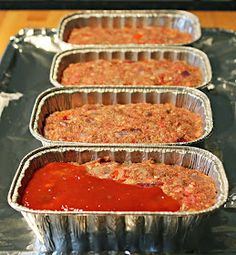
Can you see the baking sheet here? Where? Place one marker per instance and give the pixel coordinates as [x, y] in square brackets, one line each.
[25, 69]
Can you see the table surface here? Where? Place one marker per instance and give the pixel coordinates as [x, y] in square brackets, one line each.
[12, 21]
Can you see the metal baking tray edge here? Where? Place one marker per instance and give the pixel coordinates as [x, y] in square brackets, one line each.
[190, 55]
[38, 116]
[167, 17]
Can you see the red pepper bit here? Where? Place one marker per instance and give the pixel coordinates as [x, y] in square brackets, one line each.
[65, 117]
[162, 125]
[115, 174]
[137, 36]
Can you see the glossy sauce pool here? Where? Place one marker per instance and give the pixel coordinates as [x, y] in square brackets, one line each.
[67, 187]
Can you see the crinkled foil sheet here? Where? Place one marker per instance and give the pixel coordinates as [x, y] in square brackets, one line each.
[25, 69]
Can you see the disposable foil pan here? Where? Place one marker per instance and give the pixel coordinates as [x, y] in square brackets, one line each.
[190, 55]
[59, 99]
[181, 20]
[96, 231]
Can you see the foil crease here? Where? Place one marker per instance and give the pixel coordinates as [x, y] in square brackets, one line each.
[59, 99]
[98, 231]
[5, 98]
[44, 38]
[181, 20]
[191, 55]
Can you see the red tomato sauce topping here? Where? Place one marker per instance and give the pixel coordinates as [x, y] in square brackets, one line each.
[68, 187]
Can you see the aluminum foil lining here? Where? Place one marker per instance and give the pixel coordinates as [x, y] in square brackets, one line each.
[181, 20]
[59, 99]
[191, 55]
[98, 231]
[218, 233]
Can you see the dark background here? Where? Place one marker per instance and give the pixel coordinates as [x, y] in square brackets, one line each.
[119, 4]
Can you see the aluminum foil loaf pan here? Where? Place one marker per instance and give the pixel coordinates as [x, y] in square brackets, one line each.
[192, 56]
[180, 20]
[83, 231]
[59, 99]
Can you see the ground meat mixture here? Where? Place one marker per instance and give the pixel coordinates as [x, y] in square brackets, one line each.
[105, 185]
[126, 35]
[193, 189]
[129, 123]
[126, 72]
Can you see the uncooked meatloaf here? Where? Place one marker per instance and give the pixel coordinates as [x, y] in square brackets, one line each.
[129, 123]
[125, 72]
[105, 185]
[193, 189]
[126, 35]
